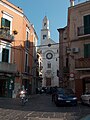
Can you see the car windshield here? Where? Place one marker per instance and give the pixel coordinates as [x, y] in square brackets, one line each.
[65, 91]
[88, 93]
[69, 92]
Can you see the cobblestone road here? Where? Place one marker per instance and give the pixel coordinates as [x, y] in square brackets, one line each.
[40, 107]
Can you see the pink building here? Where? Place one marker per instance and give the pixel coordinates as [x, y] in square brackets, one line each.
[17, 50]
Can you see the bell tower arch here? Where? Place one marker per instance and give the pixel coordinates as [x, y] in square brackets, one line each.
[45, 32]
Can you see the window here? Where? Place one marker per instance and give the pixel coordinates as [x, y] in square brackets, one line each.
[48, 81]
[5, 55]
[49, 65]
[27, 35]
[66, 62]
[26, 60]
[87, 24]
[44, 36]
[27, 40]
[40, 64]
[57, 73]
[87, 50]
[26, 63]
[5, 23]
[44, 24]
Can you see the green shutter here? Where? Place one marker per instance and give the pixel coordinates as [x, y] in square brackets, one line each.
[5, 55]
[87, 50]
[2, 22]
[7, 24]
[87, 24]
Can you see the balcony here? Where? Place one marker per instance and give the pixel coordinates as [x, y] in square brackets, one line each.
[5, 34]
[82, 64]
[7, 67]
[83, 30]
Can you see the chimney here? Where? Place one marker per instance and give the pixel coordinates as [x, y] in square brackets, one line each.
[71, 3]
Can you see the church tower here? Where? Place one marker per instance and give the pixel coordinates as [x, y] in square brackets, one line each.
[49, 55]
[45, 32]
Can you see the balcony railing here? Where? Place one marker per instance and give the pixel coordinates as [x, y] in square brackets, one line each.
[83, 30]
[8, 67]
[5, 34]
[82, 63]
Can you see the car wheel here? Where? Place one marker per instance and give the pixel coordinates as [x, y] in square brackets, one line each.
[56, 101]
[82, 101]
[57, 104]
[76, 104]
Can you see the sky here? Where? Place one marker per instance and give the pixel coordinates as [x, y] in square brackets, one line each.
[55, 10]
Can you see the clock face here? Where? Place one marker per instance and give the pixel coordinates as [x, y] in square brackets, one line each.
[49, 55]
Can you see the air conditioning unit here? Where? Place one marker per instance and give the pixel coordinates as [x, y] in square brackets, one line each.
[68, 50]
[75, 50]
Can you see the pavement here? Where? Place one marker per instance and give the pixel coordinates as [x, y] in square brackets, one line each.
[40, 107]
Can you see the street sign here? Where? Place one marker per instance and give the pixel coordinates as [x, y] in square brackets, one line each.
[71, 78]
[71, 75]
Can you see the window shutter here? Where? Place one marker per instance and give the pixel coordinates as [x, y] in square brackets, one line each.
[7, 24]
[87, 24]
[5, 55]
[2, 22]
[87, 50]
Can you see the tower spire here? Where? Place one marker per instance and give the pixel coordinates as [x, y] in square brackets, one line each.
[71, 3]
[45, 32]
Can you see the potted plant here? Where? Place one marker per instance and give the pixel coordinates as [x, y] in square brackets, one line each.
[15, 32]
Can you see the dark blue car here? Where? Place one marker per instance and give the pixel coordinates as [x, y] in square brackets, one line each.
[62, 96]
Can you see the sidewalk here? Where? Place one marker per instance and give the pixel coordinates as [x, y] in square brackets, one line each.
[31, 118]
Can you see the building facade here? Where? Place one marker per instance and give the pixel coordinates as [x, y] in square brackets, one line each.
[50, 57]
[78, 47]
[63, 58]
[39, 69]
[17, 56]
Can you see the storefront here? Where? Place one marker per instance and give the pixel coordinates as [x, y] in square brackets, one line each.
[86, 84]
[6, 85]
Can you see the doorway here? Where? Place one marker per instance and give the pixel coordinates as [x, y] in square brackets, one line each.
[86, 85]
[3, 88]
[48, 81]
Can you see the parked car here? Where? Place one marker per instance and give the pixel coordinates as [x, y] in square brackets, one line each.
[85, 98]
[87, 117]
[40, 90]
[63, 96]
[49, 90]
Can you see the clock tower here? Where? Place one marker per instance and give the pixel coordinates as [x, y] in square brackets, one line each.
[45, 32]
[49, 55]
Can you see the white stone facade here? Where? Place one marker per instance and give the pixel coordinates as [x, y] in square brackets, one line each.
[50, 57]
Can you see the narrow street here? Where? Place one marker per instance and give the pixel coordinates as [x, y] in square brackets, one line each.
[39, 107]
